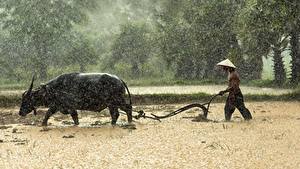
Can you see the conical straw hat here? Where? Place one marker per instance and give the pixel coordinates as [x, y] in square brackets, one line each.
[227, 63]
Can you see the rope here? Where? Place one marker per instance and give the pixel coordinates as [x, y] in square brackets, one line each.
[141, 114]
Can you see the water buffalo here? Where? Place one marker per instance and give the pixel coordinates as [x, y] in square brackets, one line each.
[68, 93]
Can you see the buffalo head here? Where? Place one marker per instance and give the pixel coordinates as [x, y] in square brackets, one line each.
[27, 104]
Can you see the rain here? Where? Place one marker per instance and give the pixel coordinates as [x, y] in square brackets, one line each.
[149, 83]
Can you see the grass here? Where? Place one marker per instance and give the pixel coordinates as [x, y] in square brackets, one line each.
[12, 87]
[261, 83]
[10, 101]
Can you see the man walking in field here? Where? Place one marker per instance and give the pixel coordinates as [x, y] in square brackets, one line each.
[235, 98]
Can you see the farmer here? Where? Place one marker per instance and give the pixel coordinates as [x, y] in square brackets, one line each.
[235, 98]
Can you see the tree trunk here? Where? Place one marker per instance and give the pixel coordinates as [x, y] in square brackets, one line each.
[257, 71]
[135, 70]
[295, 53]
[279, 71]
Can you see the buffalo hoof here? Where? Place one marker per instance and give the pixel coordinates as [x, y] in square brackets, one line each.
[76, 123]
[44, 124]
[113, 123]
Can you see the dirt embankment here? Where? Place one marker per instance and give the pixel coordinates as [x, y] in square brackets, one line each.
[270, 140]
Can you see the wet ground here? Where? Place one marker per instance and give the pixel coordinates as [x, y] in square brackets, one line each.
[270, 140]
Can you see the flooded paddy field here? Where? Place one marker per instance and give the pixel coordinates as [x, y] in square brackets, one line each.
[270, 140]
[208, 89]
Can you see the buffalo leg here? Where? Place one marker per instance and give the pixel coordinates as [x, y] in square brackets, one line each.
[49, 113]
[74, 115]
[128, 109]
[114, 114]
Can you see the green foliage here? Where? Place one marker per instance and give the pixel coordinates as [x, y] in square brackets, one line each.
[292, 8]
[35, 27]
[198, 36]
[131, 47]
[264, 29]
[170, 41]
[80, 51]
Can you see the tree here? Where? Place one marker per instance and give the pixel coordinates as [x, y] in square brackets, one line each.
[264, 31]
[293, 26]
[38, 25]
[213, 24]
[80, 51]
[195, 35]
[176, 45]
[131, 47]
[10, 59]
[295, 53]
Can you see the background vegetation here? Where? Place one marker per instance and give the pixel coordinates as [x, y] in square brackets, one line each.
[150, 41]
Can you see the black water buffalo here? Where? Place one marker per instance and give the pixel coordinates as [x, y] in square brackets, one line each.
[68, 93]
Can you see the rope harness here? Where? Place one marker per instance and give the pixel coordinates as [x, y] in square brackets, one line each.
[141, 114]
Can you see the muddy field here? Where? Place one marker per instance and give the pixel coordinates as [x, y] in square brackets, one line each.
[271, 140]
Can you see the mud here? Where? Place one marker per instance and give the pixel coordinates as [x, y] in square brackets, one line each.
[270, 140]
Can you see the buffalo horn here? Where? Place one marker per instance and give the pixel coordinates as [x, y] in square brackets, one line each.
[31, 85]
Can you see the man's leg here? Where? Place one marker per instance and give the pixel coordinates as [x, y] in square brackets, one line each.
[229, 109]
[240, 105]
